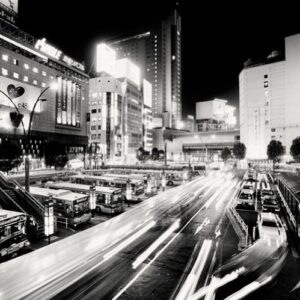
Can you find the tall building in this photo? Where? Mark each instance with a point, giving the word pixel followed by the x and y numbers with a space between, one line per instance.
pixel 269 100
pixel 120 106
pixel 215 114
pixel 28 67
pixel 158 54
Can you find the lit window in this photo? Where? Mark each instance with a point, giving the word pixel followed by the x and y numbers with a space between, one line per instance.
pixel 35 82
pixel 25 79
pixel 173 57
pixel 266 84
pixel 16 62
pixel 35 70
pixel 26 66
pixel 4 72
pixel 44 73
pixel 51 77
pixel 43 84
pixel 5 57
pixel 16 75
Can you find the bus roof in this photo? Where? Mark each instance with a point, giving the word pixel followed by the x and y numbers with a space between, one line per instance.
pixel 6 214
pixel 82 187
pixel 57 194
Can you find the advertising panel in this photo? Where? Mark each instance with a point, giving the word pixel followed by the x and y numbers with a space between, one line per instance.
pixel 9 10
pixel 22 94
pixel 68 103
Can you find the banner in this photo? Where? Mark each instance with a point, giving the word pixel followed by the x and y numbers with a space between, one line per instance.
pixel 68 103
pixel 22 94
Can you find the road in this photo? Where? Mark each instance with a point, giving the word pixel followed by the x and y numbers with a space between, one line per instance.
pixel 148 252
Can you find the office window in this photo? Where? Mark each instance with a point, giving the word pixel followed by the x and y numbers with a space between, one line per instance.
pixel 99 110
pixel 94 111
pixel 5 57
pixel 43 84
pixel 26 66
pixel 99 136
pixel 16 75
pixel 266 84
pixel 4 72
pixel 25 79
pixel 99 127
pixel 35 82
pixel 273 129
pixel 93 127
pixel 265 76
pixel 16 62
pixel 44 73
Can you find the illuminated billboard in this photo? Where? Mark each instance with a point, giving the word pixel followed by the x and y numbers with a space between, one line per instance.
pixel 9 10
pixel 11 4
pixel 68 103
pixel 106 58
pixel 127 69
pixel 22 94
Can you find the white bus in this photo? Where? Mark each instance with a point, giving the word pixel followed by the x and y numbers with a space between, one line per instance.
pixel 72 206
pixel 12 233
pixel 136 185
pixel 109 199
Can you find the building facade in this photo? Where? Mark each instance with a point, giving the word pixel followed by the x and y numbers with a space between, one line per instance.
pixel 28 67
pixel 269 100
pixel 215 115
pixel 158 54
pixel 120 107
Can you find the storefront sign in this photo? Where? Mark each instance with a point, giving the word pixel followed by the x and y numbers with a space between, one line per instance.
pixel 50 50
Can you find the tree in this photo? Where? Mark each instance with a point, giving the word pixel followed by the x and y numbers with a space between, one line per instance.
pixel 295 149
pixel 55 155
pixel 225 155
pixel 155 154
pixel 142 154
pixel 10 156
pixel 274 151
pixel 239 151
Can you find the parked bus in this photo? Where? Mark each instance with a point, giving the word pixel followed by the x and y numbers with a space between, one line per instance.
pixel 137 186
pixel 12 233
pixel 72 206
pixel 109 199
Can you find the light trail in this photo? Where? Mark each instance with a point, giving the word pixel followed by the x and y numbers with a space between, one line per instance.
pixel 131 282
pixel 190 283
pixel 128 241
pixel 156 244
pixel 202 225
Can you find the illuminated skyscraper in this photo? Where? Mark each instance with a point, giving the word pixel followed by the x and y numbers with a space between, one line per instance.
pixel 158 54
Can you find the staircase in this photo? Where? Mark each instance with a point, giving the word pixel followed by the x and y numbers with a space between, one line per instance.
pixel 239 226
pixel 14 197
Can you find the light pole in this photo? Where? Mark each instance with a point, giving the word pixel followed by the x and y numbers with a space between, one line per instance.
pixel 165 144
pixel 27 135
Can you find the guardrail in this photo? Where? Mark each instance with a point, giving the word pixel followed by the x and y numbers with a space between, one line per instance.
pixel 239 226
pixel 62 221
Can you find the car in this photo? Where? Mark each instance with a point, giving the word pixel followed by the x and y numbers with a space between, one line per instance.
pixel 271 228
pixel 270 205
pixel 267 194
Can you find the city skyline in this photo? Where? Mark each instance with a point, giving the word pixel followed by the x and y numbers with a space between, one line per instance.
pixel 216 27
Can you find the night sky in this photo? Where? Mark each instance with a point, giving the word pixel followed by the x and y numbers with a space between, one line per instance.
pixel 217 38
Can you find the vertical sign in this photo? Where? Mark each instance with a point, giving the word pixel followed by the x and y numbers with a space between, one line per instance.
pixel 69 102
pixel 64 102
pixel 73 104
pixel 58 101
pixel 78 105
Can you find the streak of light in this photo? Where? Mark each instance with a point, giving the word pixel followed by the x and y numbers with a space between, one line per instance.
pixel 231 185
pixel 128 241
pixel 202 225
pixel 156 244
pixel 129 284
pixel 250 288
pixel 218 282
pixel 190 284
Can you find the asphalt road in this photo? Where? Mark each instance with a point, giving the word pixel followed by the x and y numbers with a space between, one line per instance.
pixel 162 271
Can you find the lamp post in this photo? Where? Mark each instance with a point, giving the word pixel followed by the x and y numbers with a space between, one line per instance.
pixel 163 180
pixel 165 144
pixel 27 135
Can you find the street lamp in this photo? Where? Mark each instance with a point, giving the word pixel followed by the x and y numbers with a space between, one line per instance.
pixel 165 144
pixel 27 135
